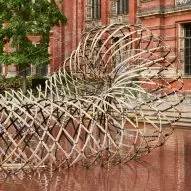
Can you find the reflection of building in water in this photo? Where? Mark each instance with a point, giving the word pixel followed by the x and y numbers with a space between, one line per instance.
pixel 187 162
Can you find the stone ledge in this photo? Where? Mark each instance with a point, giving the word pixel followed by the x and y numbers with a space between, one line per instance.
pixel 145 1
pixel 158 12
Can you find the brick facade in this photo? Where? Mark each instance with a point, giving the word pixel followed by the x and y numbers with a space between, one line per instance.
pixel 109 13
pixel 79 14
pixel 65 39
pixel 167 18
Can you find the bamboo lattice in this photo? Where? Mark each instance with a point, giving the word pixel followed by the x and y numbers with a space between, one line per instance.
pixel 111 101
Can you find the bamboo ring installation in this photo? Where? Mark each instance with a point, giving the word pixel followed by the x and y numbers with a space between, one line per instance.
pixel 115 98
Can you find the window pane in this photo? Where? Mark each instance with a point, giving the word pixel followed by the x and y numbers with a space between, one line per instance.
pixel 25 71
pixel 42 70
pixel 187 49
pixel 96 9
pixel 118 6
pixel 122 6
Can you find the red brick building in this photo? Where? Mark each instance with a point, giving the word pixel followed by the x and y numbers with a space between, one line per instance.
pixel 171 20
pixel 99 12
pixel 63 39
pixel 82 15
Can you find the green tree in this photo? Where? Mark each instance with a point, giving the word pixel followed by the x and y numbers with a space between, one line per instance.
pixel 20 19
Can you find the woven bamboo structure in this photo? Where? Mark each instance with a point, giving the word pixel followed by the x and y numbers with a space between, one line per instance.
pixel 107 104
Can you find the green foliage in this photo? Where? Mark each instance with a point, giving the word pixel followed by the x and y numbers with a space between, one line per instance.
pixel 10 83
pixel 16 82
pixel 22 18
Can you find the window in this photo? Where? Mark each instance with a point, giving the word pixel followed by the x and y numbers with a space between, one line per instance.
pixel 42 70
pixel 24 71
pixel 122 6
pixel 187 49
pixel 96 9
pixel 183 2
pixel 118 54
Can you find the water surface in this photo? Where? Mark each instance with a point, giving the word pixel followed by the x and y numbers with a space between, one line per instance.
pixel 167 168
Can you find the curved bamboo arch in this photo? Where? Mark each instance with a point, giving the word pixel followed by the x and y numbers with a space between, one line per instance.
pixel 111 101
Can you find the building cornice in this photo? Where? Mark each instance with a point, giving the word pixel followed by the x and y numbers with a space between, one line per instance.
pixel 164 12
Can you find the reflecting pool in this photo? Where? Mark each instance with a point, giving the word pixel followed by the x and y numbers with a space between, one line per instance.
pixel 165 169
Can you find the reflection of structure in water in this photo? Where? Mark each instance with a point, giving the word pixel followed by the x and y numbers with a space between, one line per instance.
pixel 167 168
